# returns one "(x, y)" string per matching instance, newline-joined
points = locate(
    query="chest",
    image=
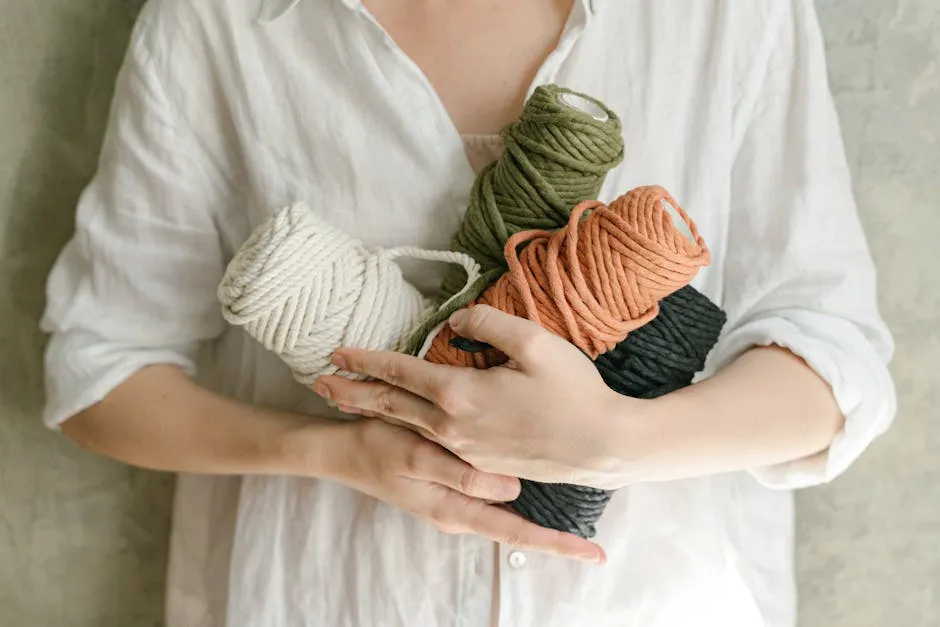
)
(480, 57)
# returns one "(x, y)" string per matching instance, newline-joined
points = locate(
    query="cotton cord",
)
(594, 281)
(554, 157)
(658, 358)
(303, 288)
(664, 355)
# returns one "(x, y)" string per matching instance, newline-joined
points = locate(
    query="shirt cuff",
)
(847, 360)
(82, 368)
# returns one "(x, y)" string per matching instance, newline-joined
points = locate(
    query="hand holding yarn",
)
(401, 468)
(547, 418)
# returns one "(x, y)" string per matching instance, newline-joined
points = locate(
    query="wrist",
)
(614, 441)
(644, 436)
(311, 447)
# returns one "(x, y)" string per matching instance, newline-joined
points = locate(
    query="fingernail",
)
(322, 390)
(595, 557)
(339, 362)
(507, 490)
(591, 558)
(457, 317)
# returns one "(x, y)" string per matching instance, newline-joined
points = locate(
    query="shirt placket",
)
(514, 578)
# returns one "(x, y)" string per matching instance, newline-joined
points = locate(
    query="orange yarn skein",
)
(595, 280)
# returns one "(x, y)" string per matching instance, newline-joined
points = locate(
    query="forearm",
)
(767, 407)
(160, 419)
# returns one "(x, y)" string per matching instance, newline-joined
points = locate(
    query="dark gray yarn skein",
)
(658, 358)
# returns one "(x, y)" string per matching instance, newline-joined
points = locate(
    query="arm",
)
(766, 408)
(132, 296)
(160, 419)
(798, 276)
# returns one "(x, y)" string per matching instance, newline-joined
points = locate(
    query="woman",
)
(374, 112)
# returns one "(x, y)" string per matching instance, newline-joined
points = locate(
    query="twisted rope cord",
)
(303, 288)
(664, 357)
(596, 280)
(554, 157)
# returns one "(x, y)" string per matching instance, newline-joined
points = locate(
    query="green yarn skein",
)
(556, 155)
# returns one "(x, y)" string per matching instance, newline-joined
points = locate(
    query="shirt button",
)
(516, 560)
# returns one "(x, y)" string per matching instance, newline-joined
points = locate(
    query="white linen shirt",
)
(226, 111)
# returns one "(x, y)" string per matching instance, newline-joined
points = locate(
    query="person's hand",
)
(548, 417)
(396, 465)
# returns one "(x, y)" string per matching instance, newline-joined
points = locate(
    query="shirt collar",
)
(271, 10)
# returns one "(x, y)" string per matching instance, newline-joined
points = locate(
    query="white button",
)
(516, 559)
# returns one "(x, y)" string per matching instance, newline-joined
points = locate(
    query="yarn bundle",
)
(303, 289)
(594, 281)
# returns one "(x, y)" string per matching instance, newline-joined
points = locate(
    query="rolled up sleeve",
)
(798, 272)
(136, 284)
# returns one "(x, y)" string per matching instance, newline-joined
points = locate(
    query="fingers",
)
(428, 481)
(501, 525)
(464, 510)
(378, 399)
(404, 371)
(424, 433)
(435, 464)
(520, 339)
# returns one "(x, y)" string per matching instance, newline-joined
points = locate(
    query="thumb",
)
(513, 336)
